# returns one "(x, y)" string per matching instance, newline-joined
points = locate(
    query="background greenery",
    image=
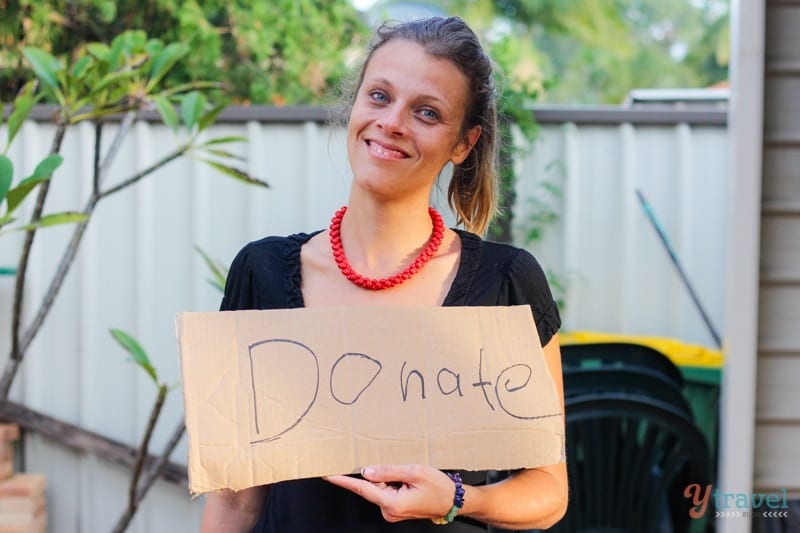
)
(276, 52)
(297, 51)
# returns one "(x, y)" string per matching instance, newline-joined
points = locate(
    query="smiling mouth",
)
(384, 152)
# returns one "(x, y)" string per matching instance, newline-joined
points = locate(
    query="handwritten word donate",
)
(286, 394)
(352, 374)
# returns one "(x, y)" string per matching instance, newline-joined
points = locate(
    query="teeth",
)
(382, 150)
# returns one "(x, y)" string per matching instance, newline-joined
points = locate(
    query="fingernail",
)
(367, 471)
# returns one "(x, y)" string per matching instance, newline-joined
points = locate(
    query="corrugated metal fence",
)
(137, 266)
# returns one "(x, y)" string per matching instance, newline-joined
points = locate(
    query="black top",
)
(266, 275)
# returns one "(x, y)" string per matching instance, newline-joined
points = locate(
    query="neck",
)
(381, 238)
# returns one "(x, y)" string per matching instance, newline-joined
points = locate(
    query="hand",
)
(402, 492)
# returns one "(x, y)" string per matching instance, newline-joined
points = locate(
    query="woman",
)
(425, 97)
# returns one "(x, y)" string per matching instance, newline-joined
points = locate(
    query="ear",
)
(462, 149)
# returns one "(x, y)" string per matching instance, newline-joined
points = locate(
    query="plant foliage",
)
(281, 51)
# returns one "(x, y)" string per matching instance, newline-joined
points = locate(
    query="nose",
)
(392, 121)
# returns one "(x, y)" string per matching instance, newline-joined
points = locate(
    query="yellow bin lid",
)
(681, 353)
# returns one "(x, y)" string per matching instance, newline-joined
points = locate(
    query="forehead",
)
(407, 64)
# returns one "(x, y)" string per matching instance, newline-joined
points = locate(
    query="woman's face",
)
(406, 120)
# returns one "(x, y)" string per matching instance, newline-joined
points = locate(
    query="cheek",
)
(356, 121)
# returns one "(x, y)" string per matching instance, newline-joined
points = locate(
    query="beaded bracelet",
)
(458, 501)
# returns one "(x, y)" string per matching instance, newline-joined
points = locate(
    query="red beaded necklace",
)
(376, 284)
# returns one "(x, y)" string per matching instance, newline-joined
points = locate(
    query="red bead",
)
(425, 255)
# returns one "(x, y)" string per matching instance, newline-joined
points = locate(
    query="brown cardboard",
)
(285, 394)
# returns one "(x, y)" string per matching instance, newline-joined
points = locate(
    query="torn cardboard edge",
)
(274, 395)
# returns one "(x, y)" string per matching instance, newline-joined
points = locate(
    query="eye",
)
(379, 97)
(429, 114)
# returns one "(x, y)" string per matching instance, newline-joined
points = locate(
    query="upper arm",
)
(552, 356)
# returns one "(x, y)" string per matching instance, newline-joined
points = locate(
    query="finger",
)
(406, 474)
(366, 489)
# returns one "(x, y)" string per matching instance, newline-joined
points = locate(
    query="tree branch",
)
(133, 500)
(58, 278)
(163, 462)
(139, 175)
(122, 132)
(22, 270)
(85, 441)
(98, 137)
(23, 342)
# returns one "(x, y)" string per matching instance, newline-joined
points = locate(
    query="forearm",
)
(233, 512)
(529, 499)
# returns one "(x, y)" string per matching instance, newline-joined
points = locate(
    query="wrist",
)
(458, 500)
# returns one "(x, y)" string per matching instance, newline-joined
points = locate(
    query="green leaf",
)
(110, 78)
(47, 166)
(43, 171)
(153, 47)
(218, 271)
(118, 48)
(167, 112)
(23, 104)
(236, 173)
(56, 219)
(225, 140)
(136, 40)
(97, 113)
(45, 66)
(194, 85)
(7, 219)
(191, 109)
(18, 194)
(210, 117)
(6, 175)
(135, 61)
(100, 51)
(225, 154)
(136, 351)
(108, 11)
(164, 61)
(81, 67)
(217, 285)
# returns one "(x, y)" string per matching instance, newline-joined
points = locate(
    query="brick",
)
(19, 504)
(21, 518)
(23, 485)
(6, 470)
(36, 525)
(9, 432)
(6, 451)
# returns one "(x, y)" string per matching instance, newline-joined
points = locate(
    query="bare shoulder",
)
(315, 254)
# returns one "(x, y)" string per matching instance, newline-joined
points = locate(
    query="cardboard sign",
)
(287, 394)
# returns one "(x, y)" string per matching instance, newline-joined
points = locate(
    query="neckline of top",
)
(456, 295)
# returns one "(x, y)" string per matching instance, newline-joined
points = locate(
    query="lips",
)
(385, 151)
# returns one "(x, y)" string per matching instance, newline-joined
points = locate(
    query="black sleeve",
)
(239, 285)
(527, 284)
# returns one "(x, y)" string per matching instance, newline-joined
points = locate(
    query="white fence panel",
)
(137, 266)
(618, 275)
